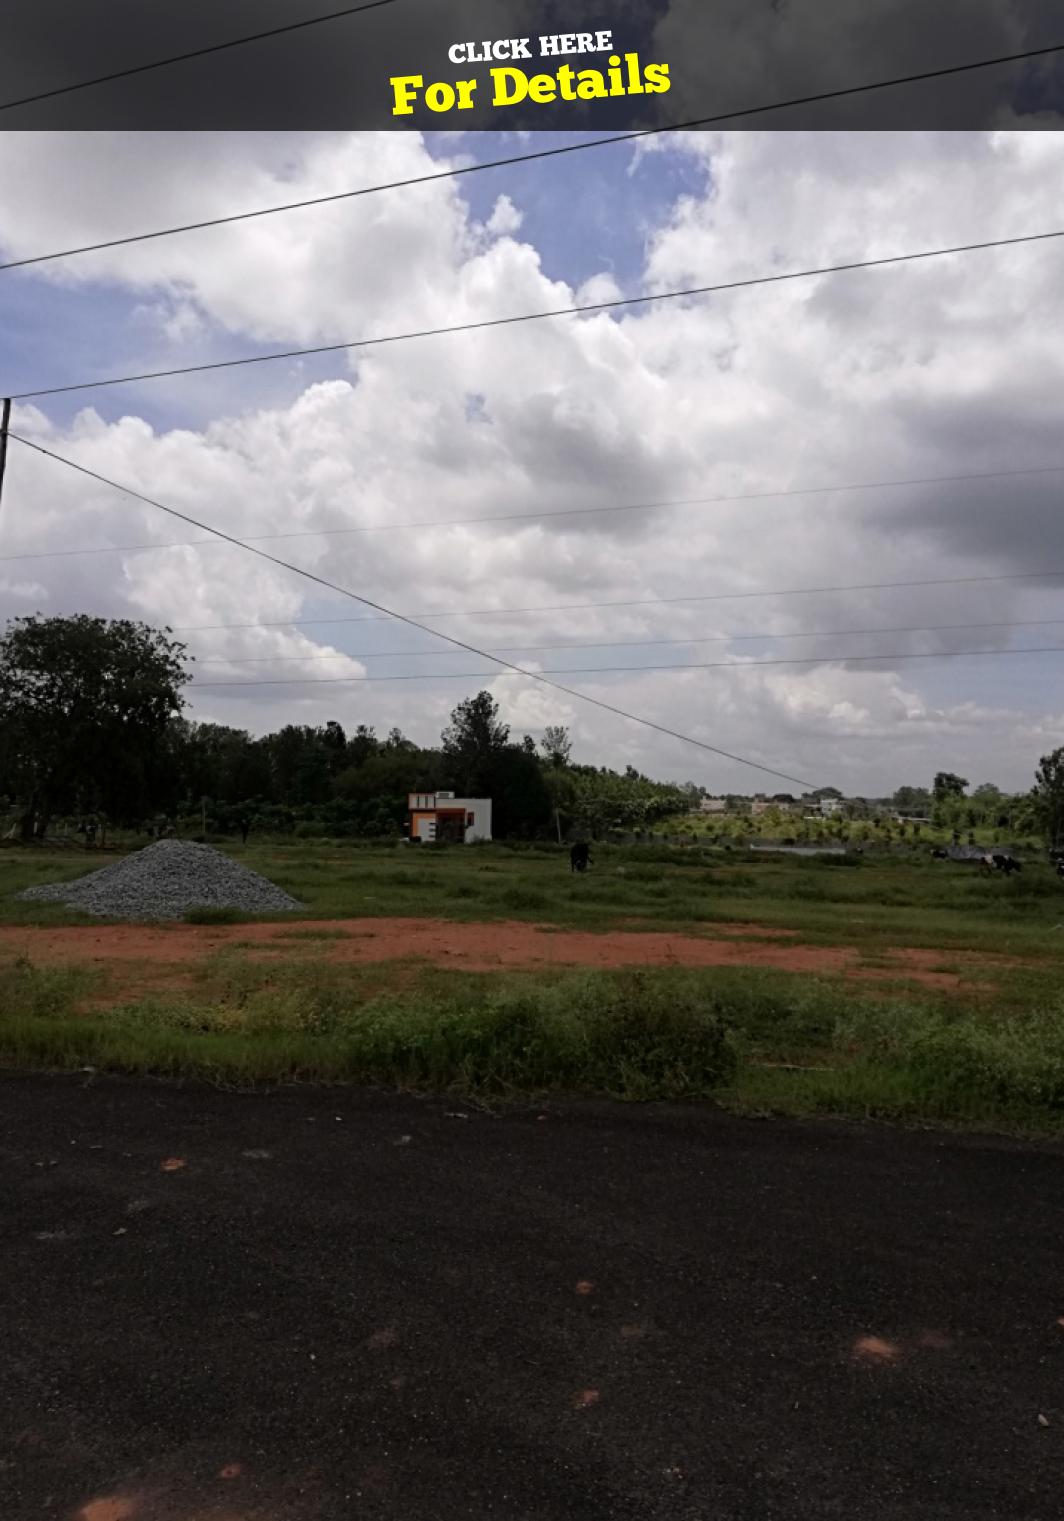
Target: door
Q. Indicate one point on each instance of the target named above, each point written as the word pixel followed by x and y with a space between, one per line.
pixel 450 826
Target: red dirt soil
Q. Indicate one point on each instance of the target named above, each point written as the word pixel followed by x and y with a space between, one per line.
pixel 474 947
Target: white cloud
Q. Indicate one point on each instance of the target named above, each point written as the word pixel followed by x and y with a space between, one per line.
pixel 940 368
pixel 505 219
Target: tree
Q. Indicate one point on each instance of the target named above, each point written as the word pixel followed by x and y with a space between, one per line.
pixel 521 802
pixel 947 785
pixel 1047 797
pixel 472 737
pixel 362 744
pixel 86 703
pixel 397 740
pixel 556 745
pixel 390 776
pixel 334 740
pixel 912 800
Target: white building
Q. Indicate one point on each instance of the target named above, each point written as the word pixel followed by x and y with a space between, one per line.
pixel 830 806
pixel 440 816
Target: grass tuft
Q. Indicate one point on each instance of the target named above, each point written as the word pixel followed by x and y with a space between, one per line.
pixel 210 914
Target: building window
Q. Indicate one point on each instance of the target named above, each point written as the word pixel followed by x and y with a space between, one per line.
pixel 470 820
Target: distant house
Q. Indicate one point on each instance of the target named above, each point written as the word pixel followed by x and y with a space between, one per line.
pixel 830 806
pixel 438 817
pixel 713 805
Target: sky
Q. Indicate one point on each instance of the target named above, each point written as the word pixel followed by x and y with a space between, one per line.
pixel 362 460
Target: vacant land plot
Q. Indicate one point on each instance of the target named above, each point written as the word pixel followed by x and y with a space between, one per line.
pixel 903 987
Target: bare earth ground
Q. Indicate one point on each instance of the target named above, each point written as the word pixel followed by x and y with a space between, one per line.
pixel 478 947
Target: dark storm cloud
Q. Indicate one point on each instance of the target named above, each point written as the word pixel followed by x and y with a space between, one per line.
pixel 1017 524
pixel 725 55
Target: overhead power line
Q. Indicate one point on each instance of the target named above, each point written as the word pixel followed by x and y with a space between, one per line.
pixel 698 124
pixel 471 649
pixel 217 47
pixel 566 311
pixel 547 513
pixel 570 607
pixel 629 644
pixel 629 670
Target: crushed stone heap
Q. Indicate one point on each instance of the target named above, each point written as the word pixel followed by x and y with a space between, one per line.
pixel 164 881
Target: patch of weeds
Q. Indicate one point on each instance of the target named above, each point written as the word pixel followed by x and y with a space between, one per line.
pixel 44 991
pixel 524 899
pixel 212 914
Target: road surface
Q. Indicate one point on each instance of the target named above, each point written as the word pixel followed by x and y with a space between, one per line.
pixel 318 1304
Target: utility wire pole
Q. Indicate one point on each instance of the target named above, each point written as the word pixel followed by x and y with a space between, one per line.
pixel 5 419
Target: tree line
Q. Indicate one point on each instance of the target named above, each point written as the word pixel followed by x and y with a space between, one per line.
pixel 92 724
pixel 93 728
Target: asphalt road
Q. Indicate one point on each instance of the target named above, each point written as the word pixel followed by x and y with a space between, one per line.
pixel 343 1305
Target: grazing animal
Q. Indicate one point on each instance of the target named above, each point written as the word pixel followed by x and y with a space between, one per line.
pixel 580 857
pixel 999 862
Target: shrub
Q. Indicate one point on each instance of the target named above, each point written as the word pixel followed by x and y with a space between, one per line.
pixel 207 913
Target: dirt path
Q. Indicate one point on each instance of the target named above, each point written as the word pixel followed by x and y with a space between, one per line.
pixel 474 947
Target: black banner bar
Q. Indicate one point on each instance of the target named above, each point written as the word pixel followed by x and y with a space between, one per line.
pixel 513 65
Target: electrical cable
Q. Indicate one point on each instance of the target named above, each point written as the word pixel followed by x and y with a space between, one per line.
pixel 629 670
pixel 563 512
pixel 567 311
pixel 502 163
pixel 217 47
pixel 403 618
pixel 567 607
pixel 626 644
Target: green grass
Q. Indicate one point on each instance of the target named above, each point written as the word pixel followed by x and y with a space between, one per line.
pixel 760 1041
pixel 757 1041
pixel 881 901
pixel 623 1037
pixel 211 914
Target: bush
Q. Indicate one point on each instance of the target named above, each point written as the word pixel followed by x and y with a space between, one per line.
pixel 211 914
pixel 43 991
pixel 626 1037
pixel 632 1036
pixel 958 1056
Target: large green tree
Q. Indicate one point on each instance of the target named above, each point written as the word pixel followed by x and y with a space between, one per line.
pixel 471 740
pixel 912 800
pixel 1047 797
pixel 556 745
pixel 948 785
pixel 84 707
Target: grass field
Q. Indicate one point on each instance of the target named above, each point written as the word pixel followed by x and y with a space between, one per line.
pixel 983 1045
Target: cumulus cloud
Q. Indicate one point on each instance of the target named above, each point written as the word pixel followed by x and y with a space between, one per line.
pixel 944 368
pixel 505 218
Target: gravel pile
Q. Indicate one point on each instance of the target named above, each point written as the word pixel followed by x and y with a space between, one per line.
pixel 164 881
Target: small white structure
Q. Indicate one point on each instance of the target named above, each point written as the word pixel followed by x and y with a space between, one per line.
pixel 440 816
pixel 713 805
pixel 830 806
